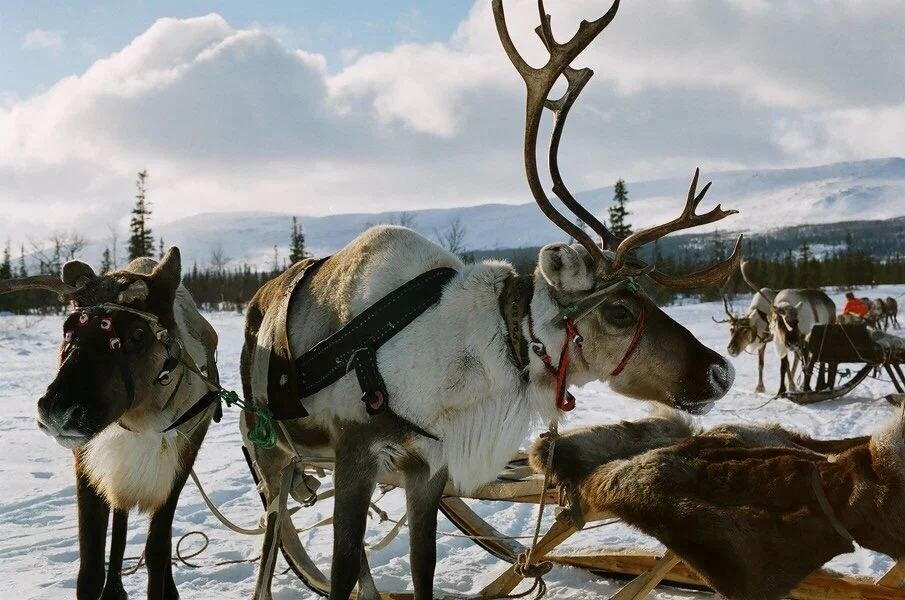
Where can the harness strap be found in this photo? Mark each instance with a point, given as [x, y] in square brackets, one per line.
[826, 507]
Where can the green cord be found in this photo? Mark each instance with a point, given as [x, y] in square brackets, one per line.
[262, 433]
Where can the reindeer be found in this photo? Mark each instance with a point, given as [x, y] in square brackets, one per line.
[464, 388]
[135, 354]
[751, 332]
[876, 317]
[890, 313]
[792, 314]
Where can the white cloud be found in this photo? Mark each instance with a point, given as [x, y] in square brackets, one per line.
[229, 119]
[41, 39]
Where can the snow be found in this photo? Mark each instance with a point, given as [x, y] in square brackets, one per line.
[38, 537]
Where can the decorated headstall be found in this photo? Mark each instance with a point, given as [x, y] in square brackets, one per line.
[98, 325]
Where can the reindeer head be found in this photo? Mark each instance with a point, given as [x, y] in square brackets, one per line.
[744, 331]
[116, 349]
[626, 338]
[784, 327]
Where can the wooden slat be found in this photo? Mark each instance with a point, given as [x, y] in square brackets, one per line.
[559, 532]
[895, 576]
[641, 586]
[470, 523]
[820, 585]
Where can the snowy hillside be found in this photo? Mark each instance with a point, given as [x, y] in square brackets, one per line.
[38, 551]
[766, 199]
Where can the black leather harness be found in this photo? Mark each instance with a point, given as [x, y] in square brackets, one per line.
[354, 347]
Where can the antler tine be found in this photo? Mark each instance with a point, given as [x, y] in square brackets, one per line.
[711, 276]
[51, 283]
[726, 307]
[688, 219]
[539, 83]
[747, 278]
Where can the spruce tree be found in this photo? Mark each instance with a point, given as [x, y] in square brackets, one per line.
[619, 225]
[141, 242]
[106, 261]
[297, 250]
[23, 270]
[6, 264]
[160, 249]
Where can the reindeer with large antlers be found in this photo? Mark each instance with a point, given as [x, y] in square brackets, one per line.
[135, 354]
[469, 376]
[750, 332]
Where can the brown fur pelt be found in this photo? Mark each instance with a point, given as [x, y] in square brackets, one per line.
[738, 503]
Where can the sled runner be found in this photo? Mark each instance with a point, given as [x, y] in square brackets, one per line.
[581, 460]
[828, 346]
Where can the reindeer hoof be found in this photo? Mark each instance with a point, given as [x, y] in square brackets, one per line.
[760, 389]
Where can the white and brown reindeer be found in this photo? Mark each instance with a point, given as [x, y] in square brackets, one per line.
[135, 355]
[455, 371]
[750, 332]
[792, 315]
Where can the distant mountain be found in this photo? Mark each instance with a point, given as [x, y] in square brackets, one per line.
[782, 205]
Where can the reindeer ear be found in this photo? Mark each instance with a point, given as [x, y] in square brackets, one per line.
[163, 282]
[75, 273]
[565, 269]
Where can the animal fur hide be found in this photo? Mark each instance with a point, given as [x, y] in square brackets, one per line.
[739, 504]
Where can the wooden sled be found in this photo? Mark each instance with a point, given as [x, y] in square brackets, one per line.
[830, 345]
[517, 483]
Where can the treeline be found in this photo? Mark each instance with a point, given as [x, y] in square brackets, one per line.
[222, 285]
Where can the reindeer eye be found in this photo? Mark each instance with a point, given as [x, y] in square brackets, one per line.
[138, 334]
[618, 315]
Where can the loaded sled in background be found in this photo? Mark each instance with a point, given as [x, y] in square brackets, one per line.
[850, 342]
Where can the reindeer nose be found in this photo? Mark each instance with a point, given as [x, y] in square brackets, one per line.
[721, 375]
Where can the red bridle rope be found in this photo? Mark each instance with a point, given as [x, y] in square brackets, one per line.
[564, 400]
[633, 345]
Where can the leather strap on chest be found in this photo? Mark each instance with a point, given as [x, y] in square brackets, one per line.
[515, 302]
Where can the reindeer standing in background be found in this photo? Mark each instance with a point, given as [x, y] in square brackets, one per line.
[793, 312]
[751, 332]
[890, 313]
[136, 353]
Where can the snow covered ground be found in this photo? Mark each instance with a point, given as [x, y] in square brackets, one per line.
[38, 538]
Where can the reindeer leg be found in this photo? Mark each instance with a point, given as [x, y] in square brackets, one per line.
[792, 385]
[760, 389]
[113, 589]
[94, 514]
[821, 377]
[354, 480]
[783, 370]
[159, 547]
[422, 498]
[808, 369]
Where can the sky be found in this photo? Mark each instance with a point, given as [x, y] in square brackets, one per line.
[326, 107]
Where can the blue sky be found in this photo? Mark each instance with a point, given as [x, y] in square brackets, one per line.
[328, 107]
[89, 30]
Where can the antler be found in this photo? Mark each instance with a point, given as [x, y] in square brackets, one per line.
[688, 219]
[539, 83]
[51, 283]
[747, 278]
[728, 312]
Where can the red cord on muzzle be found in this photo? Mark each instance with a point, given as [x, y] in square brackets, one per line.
[633, 345]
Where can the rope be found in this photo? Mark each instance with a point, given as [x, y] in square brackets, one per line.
[525, 566]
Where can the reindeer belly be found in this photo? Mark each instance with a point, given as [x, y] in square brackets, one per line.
[131, 469]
